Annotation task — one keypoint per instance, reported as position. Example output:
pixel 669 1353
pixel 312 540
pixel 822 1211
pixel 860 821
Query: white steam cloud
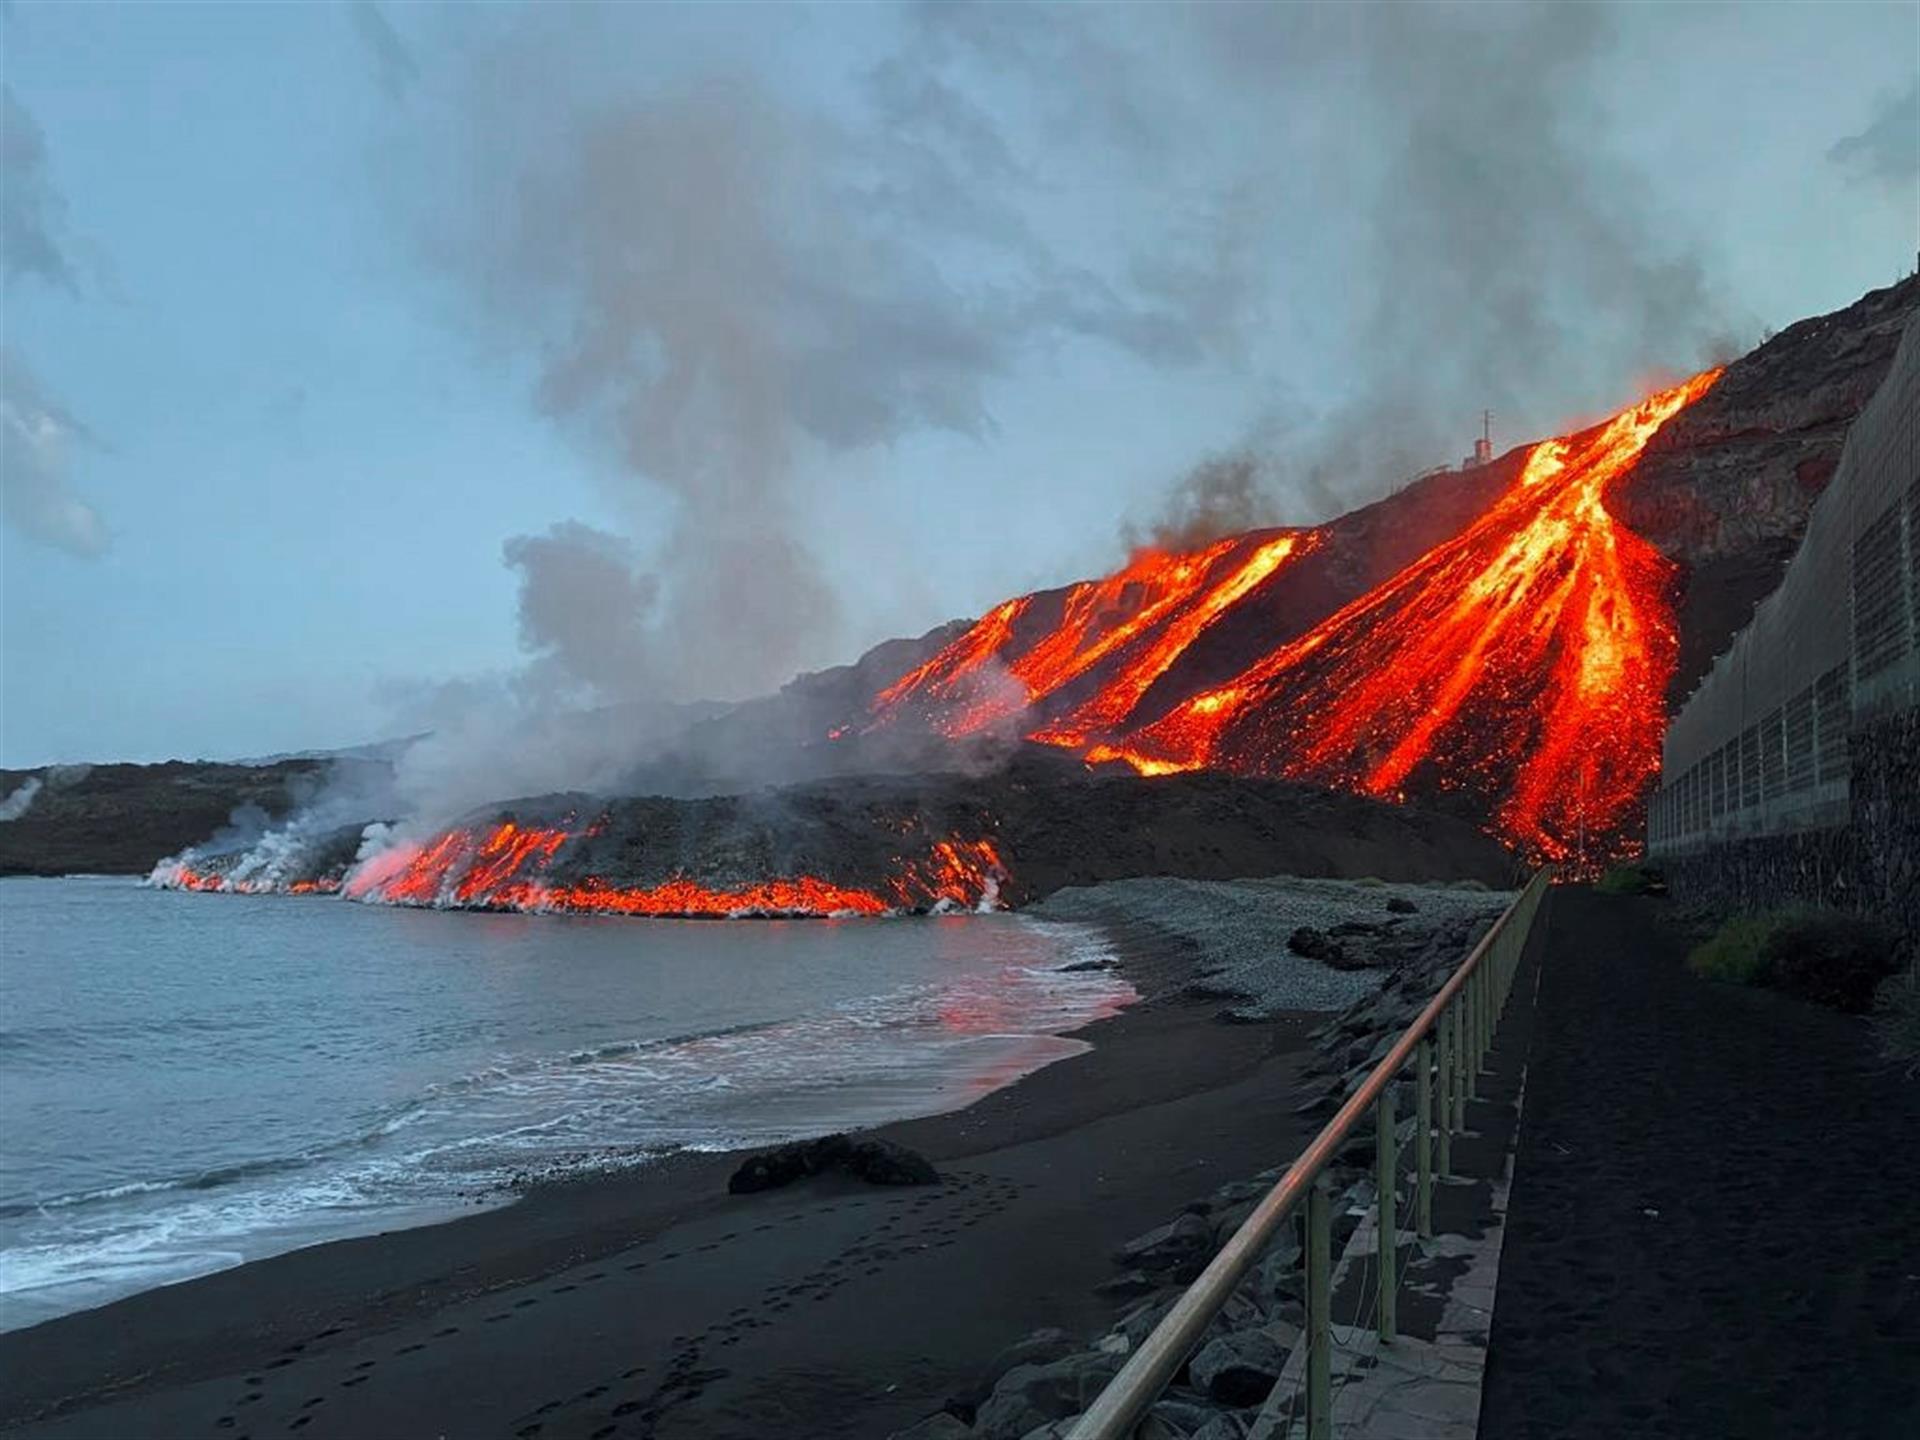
pixel 21 800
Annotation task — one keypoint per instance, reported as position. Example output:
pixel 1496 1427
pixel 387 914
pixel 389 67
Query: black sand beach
pixel 1715 1219
pixel 651 1302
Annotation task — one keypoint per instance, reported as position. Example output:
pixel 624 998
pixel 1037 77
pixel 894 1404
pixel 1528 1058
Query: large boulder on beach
pixel 1182 1246
pixel 878 1162
pixel 1030 1396
pixel 1238 1369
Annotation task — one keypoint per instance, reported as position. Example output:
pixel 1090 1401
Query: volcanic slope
pixel 1499 640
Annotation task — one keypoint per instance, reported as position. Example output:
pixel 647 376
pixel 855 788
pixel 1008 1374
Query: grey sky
pixel 574 354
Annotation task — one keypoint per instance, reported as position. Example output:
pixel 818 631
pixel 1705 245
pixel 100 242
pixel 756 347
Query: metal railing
pixel 1445 1044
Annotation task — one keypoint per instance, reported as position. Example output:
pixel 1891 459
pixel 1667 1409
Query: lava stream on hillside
pixel 1121 632
pixel 1521 663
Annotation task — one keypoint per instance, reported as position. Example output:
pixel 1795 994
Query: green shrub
pixel 1831 958
pixel 1736 951
pixel 1828 957
pixel 1896 1019
pixel 1630 879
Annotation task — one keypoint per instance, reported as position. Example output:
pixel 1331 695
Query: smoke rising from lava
pixel 1463 234
pixel 724 287
pixel 727 284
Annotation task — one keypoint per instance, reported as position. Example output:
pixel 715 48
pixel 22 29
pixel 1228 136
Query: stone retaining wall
pixel 1870 864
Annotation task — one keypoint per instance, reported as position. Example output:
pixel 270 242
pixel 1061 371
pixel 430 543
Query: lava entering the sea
pixel 181 875
pixel 508 867
pixel 1522 662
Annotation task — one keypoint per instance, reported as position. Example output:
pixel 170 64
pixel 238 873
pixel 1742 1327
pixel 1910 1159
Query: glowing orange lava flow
pixel 1110 705
pixel 178 875
pixel 505 868
pixel 1142 618
pixel 1523 662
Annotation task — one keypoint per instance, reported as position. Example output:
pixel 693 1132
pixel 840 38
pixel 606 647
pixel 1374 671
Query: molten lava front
pixel 1522 663
pixel 509 867
pixel 180 875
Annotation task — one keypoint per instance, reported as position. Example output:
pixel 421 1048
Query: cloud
pixel 393 63
pixel 36 437
pixel 1888 150
pixel 32 210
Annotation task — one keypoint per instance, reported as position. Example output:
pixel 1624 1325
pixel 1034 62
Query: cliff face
pixel 1726 487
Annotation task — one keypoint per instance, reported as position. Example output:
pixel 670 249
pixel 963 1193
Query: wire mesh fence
pixel 1761 746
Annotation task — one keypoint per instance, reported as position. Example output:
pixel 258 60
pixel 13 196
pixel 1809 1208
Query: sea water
pixel 191 1081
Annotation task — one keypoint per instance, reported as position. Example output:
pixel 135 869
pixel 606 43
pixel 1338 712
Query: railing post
pixel 1319 1277
pixel 1471 1022
pixel 1462 1062
pixel 1445 1095
pixel 1423 1140
pixel 1385 1177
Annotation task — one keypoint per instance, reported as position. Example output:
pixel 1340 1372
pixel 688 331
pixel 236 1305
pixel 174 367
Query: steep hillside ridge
pixel 1726 487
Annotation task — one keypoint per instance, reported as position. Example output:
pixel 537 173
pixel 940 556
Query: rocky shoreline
pixel 1408 939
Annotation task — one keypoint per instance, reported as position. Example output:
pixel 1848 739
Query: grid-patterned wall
pixel 1761 747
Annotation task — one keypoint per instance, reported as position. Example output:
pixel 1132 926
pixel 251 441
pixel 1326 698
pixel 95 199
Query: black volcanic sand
pixel 1715 1219
pixel 654 1303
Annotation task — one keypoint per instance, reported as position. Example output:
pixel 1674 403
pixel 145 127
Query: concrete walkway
pixel 1714 1227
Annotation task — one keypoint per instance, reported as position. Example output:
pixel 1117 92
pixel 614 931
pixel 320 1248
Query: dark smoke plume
pixel 1493 254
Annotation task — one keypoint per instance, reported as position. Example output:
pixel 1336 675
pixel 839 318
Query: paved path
pixel 1715 1217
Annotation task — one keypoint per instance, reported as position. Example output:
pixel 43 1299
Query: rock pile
pixel 1037 1388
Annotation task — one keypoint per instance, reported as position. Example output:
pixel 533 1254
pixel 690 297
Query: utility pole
pixel 1483 447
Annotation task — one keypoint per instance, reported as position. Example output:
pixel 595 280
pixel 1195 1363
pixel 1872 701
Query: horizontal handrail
pixel 1154 1364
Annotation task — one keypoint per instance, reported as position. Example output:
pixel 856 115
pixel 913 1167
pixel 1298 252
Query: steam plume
pixel 1506 260
pixel 21 799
